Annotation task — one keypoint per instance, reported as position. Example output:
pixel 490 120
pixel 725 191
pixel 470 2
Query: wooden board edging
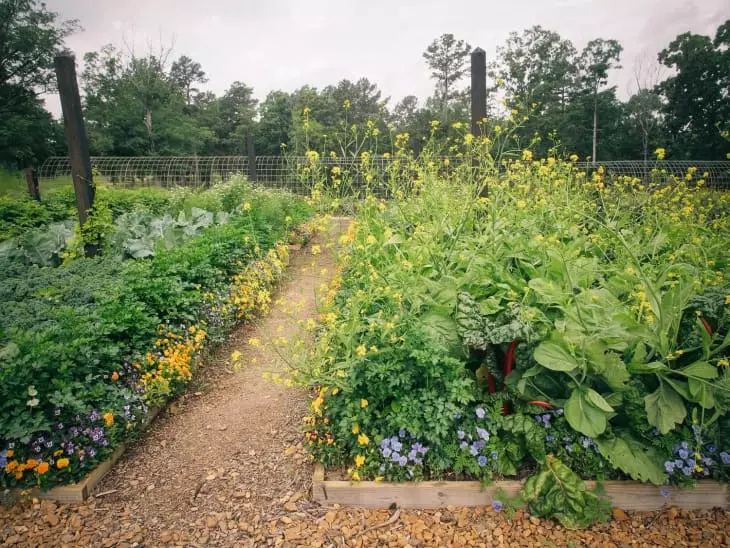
pixel 627 495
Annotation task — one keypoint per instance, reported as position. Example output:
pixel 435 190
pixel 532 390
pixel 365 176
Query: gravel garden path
pixel 224 466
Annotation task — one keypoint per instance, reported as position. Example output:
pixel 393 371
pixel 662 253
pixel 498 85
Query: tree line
pixel 154 105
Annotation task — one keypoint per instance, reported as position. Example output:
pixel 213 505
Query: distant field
pixel 13 184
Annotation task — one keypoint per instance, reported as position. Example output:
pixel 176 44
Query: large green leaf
pixel 664 408
pixel 546 291
pixel 555 356
pixel 526 427
pixel 584 415
pixel 702 392
pixel 637 460
pixel 441 329
pixel 607 364
pixel 558 492
pixel 597 400
pixel 703 370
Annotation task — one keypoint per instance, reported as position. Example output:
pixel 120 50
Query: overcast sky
pixel 284 44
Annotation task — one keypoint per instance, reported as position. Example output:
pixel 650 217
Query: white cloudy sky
pixel 283 44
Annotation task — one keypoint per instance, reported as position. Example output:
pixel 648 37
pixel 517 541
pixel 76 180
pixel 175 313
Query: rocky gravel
pixel 294 521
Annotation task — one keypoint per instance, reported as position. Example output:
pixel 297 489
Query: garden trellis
pixel 285 171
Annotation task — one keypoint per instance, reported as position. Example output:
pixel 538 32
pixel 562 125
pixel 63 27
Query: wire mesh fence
pixel 291 172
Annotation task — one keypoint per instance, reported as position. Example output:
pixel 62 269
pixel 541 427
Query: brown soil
pixel 224 466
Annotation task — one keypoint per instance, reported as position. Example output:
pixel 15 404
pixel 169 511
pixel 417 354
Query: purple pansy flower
pixel 483 433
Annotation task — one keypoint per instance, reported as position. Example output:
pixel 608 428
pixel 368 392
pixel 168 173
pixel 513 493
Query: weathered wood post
pixel 78 146
pixel 31 177
pixel 251 159
pixel 478 90
pixel 478 101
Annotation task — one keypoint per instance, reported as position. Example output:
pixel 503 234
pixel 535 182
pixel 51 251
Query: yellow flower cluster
pixel 251 293
pixel 313 435
pixel 171 364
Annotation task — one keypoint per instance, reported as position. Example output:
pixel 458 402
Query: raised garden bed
pixel 627 495
pixel 81 490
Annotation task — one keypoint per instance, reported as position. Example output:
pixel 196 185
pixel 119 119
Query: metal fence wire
pixel 290 172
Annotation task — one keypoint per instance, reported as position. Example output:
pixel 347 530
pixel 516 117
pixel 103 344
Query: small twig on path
pixel 106 493
pixel 197 489
pixel 656 517
pixel 390 521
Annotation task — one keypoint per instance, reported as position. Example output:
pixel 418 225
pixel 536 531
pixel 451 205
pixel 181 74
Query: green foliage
pixel 30 37
pixel 446 57
pixel 696 99
pixel 607 299
pixel 70 335
pixel 557 492
pixel 633 457
pixel 19 215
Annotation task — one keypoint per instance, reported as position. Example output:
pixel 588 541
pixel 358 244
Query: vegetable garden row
pixel 560 328
pixel 88 345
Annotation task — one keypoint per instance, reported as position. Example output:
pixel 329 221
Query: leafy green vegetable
pixel 557 492
pixel 664 408
pixel 632 457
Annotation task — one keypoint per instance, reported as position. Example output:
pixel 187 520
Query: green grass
pixel 13 184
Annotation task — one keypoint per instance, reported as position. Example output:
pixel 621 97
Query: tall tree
pixel 30 35
pixel 538 70
pixel 185 73
pixel 597 58
pixel 237 110
pixel 404 112
pixel 447 57
pixel 274 125
pixel 133 108
pixel 643 109
pixel 537 66
pixel 697 97
pixel 363 98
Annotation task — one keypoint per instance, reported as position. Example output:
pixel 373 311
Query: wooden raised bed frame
pixel 627 495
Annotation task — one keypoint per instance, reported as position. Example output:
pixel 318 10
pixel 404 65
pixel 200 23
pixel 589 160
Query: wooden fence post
pixel 478 102
pixel 478 90
pixel 251 159
pixel 31 177
pixel 78 146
